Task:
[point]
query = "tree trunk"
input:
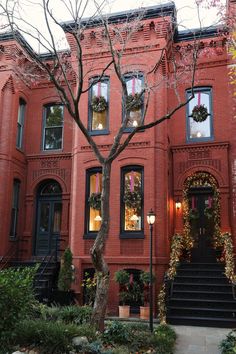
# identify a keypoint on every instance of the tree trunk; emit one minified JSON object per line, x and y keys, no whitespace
{"x":97,"y":253}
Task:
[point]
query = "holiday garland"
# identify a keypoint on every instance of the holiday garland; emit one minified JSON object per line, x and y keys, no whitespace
{"x":199,"y":113}
{"x":185,"y":241}
{"x":99,"y":104}
{"x":228,"y":253}
{"x":177,"y":247}
{"x":95,"y":201}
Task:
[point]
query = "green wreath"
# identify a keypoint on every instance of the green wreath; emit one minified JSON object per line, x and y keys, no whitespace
{"x":132,"y":199}
{"x":193,"y":214}
{"x":95,"y":201}
{"x":99,"y":104}
{"x":134,"y":101}
{"x":208,"y":212}
{"x":199,"y":113}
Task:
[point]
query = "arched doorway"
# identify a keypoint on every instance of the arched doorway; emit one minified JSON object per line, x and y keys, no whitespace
{"x":201,"y":215}
{"x":48,"y":218}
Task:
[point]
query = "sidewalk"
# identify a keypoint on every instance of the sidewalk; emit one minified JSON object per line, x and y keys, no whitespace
{"x":199,"y":340}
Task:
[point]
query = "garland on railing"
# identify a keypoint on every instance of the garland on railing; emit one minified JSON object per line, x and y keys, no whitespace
{"x":177,"y":247}
{"x":228,"y":253}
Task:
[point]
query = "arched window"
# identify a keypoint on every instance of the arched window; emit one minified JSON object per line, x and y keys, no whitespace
{"x":99,"y":106}
{"x":132,"y":201}
{"x":135,"y":102}
{"x":93,"y":201}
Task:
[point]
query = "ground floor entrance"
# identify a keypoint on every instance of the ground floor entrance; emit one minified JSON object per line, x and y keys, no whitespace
{"x":48,"y":219}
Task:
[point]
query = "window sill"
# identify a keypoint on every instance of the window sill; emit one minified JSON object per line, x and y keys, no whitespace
{"x":90,"y":236}
{"x":99,"y":132}
{"x":132,"y":235}
{"x":199,"y":140}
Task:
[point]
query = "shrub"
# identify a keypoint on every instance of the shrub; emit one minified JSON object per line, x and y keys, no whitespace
{"x":117,"y":332}
{"x":65,"y":276}
{"x":164,"y":339}
{"x":16,"y":299}
{"x":68,"y":314}
{"x":50,"y":337}
{"x":228,"y":345}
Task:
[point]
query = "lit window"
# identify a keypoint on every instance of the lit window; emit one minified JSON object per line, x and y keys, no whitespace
{"x":199,"y":115}
{"x":134,"y":104}
{"x":20,"y":123}
{"x":15,"y":208}
{"x":99,"y":107}
{"x":53,"y":127}
{"x":132,"y":200}
{"x":93,"y":200}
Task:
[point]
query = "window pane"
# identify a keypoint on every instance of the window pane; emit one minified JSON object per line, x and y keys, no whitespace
{"x":133,"y":201}
{"x":100,"y":89}
{"x":98,"y":106}
{"x":44,"y":217}
{"x":57,"y":217}
{"x":99,"y":120}
{"x":54,"y":116}
{"x":95,"y":187}
{"x":20,"y":123}
{"x":134,"y":85}
{"x":200,"y":129}
{"x":53,"y":138}
{"x":135,"y":118}
{"x":15,"y":206}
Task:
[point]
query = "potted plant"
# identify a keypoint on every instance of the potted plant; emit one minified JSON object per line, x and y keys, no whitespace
{"x":63,"y":294}
{"x":122,"y":277}
{"x":145,"y":282}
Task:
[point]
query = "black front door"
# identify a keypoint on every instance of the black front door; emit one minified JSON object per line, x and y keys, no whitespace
{"x":201,"y":222}
{"x":48,"y":219}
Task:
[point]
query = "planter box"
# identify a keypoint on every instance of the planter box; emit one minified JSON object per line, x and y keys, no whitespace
{"x":144,"y":312}
{"x":124,"y":311}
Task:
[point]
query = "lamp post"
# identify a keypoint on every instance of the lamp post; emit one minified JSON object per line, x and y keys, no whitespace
{"x":151,"y":217}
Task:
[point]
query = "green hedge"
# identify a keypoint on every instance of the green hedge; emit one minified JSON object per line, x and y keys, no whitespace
{"x":16,"y":298}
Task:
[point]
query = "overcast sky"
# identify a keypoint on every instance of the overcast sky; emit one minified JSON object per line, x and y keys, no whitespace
{"x":186,"y":12}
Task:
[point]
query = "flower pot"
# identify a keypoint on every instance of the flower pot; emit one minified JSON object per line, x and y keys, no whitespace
{"x":124,"y":311}
{"x":144,"y":312}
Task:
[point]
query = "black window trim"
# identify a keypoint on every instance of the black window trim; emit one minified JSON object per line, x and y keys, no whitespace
{"x":204,"y":139}
{"x":131,"y":234}
{"x":44,"y":126}
{"x":89,"y":234}
{"x":90,"y":112}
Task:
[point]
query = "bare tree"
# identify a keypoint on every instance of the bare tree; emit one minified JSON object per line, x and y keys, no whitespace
{"x":70,"y":80}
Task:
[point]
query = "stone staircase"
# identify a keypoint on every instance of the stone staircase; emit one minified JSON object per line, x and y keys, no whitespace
{"x":201,"y":295}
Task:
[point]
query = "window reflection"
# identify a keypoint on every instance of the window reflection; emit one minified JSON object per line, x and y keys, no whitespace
{"x":95,"y":188}
{"x":200,"y":129}
{"x":132,"y":198}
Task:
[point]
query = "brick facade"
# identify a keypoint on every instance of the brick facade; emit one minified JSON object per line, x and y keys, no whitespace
{"x":163,"y":152}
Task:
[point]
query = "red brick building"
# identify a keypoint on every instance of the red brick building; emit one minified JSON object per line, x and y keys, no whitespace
{"x":48,"y":171}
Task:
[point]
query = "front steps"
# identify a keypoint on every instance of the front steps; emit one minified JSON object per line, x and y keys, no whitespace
{"x":201,"y":295}
{"x":45,"y":278}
